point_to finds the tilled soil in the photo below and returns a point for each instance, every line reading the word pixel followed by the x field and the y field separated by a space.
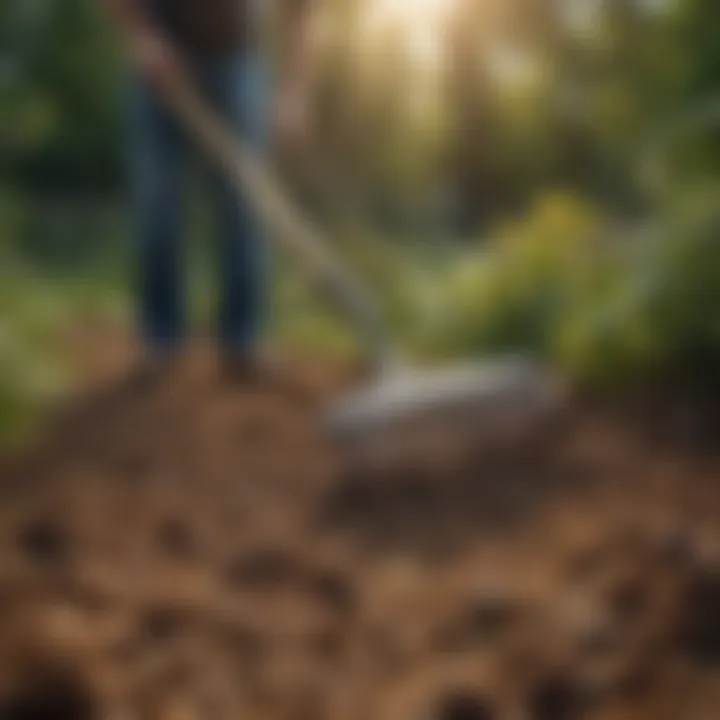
pixel 199 550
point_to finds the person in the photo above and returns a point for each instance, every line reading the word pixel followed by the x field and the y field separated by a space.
pixel 218 44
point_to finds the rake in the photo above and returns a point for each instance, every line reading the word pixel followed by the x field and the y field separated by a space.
pixel 398 394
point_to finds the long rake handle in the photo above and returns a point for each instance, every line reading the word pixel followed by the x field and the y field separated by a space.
pixel 287 225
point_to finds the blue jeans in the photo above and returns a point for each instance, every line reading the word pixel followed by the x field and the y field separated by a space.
pixel 236 88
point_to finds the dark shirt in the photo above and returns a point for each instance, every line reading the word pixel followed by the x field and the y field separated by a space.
pixel 207 27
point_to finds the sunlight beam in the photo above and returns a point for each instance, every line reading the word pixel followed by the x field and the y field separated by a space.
pixel 420 22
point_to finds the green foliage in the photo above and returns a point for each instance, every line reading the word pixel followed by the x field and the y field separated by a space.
pixel 683 279
pixel 512 294
pixel 607 338
pixel 31 369
pixel 608 307
pixel 58 107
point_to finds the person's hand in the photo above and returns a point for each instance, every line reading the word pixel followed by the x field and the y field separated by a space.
pixel 156 59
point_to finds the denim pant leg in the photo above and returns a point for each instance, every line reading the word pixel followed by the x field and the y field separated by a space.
pixel 157 162
pixel 237 89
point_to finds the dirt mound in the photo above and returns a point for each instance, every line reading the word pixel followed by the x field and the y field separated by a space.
pixel 198 550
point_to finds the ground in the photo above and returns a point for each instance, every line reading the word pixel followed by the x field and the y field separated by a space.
pixel 202 550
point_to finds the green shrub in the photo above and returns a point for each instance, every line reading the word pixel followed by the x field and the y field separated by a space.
pixel 607 308
pixel 512 293
pixel 683 274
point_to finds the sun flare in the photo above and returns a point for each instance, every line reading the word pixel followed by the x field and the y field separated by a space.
pixel 420 22
pixel 410 12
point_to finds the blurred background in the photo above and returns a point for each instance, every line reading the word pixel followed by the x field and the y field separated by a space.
pixel 530 174
pixel 535 176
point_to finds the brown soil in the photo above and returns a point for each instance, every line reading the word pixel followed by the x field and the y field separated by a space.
pixel 199 550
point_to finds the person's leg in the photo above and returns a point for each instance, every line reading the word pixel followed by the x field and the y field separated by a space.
pixel 156 165
pixel 237 89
